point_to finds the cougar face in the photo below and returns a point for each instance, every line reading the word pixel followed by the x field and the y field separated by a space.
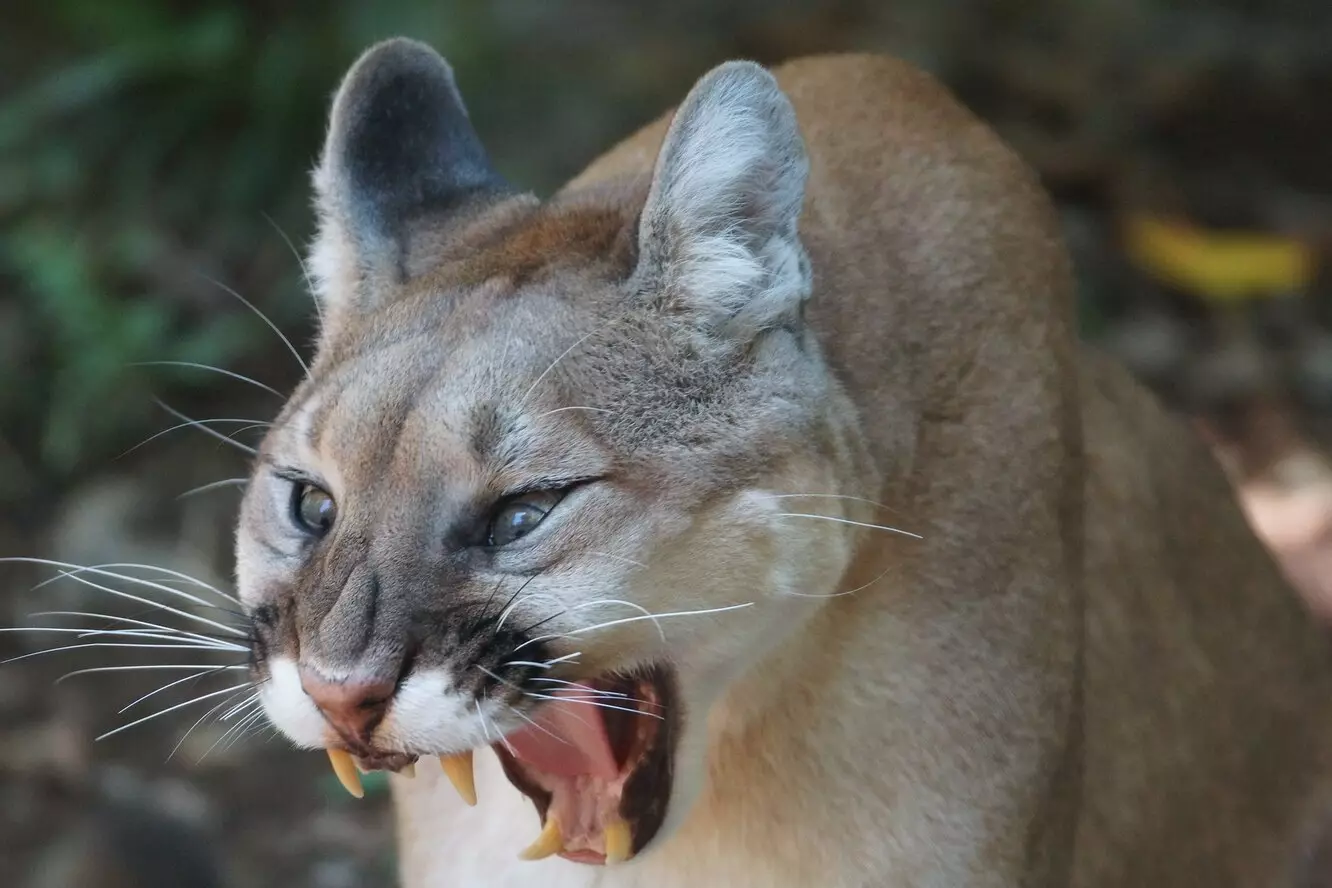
pixel 542 490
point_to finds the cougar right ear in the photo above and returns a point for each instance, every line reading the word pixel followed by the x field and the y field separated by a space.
pixel 400 146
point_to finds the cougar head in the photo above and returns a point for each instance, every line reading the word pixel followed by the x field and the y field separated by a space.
pixel 541 489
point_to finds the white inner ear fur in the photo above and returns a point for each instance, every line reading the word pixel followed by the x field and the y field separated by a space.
pixel 719 229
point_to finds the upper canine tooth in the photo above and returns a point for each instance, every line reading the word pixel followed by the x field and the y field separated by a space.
pixel 549 842
pixel 458 768
pixel 344 768
pixel 619 842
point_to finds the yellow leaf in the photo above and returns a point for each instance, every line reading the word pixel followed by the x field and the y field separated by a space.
pixel 1217 266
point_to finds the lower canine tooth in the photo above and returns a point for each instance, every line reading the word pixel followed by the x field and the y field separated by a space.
pixel 344 768
pixel 619 842
pixel 549 842
pixel 458 768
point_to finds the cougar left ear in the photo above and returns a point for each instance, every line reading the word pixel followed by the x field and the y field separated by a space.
pixel 400 146
pixel 718 238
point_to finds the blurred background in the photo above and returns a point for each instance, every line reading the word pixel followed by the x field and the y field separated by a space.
pixel 154 157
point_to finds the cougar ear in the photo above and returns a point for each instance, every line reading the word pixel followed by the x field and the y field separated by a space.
pixel 400 146
pixel 718 236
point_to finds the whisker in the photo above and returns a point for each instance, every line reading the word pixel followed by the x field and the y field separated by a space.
pixel 236 732
pixel 196 423
pixel 73 570
pixel 859 588
pixel 588 702
pixel 263 317
pixel 205 488
pixel 574 684
pixel 620 622
pixel 305 271
pixel 647 614
pixel 581 339
pixel 203 428
pixel 588 409
pixel 513 602
pixel 533 663
pixel 202 718
pixel 138 667
pixel 850 522
pixel 169 572
pixel 84 632
pixel 170 709
pixel 128 620
pixel 533 722
pixel 118 644
pixel 840 496
pixel 212 369
pixel 144 633
pixel 169 685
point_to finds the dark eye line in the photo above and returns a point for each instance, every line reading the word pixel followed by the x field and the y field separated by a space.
pixel 544 485
pixel 296 476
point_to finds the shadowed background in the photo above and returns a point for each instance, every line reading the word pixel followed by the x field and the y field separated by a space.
pixel 154 160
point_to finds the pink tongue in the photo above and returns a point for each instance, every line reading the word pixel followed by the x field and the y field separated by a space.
pixel 567 740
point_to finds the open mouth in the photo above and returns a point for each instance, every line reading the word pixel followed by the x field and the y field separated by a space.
pixel 596 761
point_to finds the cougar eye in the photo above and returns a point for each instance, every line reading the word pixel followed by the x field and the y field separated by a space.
pixel 313 509
pixel 519 516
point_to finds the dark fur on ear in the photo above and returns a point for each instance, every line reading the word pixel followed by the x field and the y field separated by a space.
pixel 400 146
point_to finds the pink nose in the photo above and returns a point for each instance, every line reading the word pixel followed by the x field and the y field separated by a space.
pixel 353 708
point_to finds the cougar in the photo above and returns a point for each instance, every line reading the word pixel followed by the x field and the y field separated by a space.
pixel 748 513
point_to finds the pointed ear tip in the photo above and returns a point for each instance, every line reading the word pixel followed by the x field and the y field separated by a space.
pixel 741 73
pixel 398 54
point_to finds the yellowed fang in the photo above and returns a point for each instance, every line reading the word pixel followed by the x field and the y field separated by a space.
pixel 619 842
pixel 458 768
pixel 345 769
pixel 550 842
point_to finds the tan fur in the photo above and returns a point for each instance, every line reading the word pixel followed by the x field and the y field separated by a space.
pixel 1086 671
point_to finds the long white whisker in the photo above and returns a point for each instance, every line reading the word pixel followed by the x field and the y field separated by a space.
pixel 213 433
pixel 839 496
pixel 608 624
pixel 565 659
pixel 199 423
pixel 169 709
pixel 129 620
pixel 263 317
pixel 163 570
pixel 539 727
pixel 73 571
pixel 139 667
pixel 588 409
pixel 883 574
pixel 595 703
pixel 169 685
pixel 212 369
pixel 202 718
pixel 215 485
pixel 84 632
pixel 581 687
pixel 533 663
pixel 145 633
pixel 581 339
pixel 848 521
pixel 119 644
pixel 647 614
pixel 305 271
pixel 65 572
pixel 236 732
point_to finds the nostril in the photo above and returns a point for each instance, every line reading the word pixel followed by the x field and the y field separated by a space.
pixel 353 708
